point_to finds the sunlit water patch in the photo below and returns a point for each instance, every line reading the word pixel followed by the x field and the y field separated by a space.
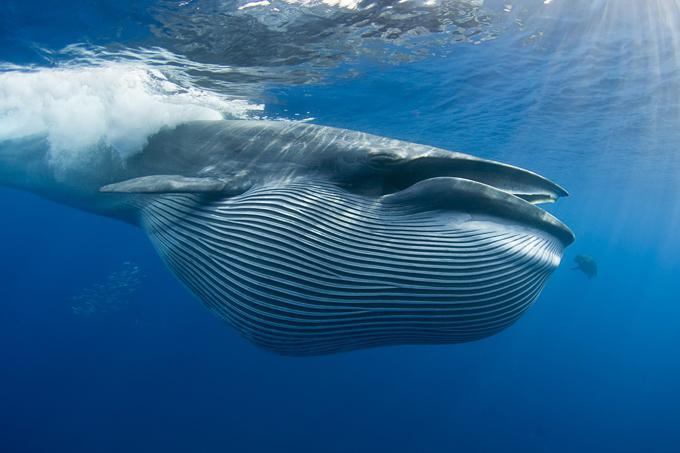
pixel 238 46
pixel 282 33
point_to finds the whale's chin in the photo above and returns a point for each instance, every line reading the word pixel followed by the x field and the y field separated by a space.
pixel 309 268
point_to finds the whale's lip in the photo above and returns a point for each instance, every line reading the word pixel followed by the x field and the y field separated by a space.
pixel 398 171
pixel 556 191
pixel 442 193
pixel 474 184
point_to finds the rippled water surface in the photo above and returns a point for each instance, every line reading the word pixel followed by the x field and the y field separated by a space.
pixel 586 93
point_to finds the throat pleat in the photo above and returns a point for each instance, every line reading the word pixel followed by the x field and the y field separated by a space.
pixel 311 269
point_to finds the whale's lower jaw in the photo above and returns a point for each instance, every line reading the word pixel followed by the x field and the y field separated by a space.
pixel 312 269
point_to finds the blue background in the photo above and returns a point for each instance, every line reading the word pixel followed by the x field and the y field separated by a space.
pixel 593 366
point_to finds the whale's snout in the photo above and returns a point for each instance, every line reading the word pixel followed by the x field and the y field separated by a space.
pixel 475 198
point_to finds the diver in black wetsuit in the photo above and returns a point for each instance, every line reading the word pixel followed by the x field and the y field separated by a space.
pixel 586 264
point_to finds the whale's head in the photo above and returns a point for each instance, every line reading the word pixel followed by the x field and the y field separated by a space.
pixel 224 159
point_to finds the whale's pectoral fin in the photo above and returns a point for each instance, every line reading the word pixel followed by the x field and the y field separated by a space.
pixel 450 193
pixel 157 184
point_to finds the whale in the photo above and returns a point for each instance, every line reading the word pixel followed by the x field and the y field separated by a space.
pixel 309 239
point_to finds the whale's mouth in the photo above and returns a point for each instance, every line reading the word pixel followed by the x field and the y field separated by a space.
pixel 392 173
pixel 469 196
pixel 443 180
pixel 479 187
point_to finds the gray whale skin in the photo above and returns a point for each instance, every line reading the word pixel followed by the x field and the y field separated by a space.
pixel 310 239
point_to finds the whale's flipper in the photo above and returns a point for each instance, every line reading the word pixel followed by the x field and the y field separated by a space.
pixel 166 184
pixel 447 193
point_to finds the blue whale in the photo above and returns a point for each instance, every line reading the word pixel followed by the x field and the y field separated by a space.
pixel 311 240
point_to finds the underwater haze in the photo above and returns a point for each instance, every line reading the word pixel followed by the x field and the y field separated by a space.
pixel 103 350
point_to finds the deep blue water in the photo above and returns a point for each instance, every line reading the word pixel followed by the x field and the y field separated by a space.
pixel 586 93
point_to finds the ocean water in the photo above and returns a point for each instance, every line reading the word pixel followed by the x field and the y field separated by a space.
pixel 103 350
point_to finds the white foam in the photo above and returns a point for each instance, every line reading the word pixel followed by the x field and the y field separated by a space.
pixel 117 105
pixel 347 4
pixel 350 4
pixel 254 4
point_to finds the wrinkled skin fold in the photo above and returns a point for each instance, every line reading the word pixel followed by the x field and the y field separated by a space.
pixel 313 240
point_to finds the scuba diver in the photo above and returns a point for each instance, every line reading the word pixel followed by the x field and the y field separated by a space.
pixel 586 264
